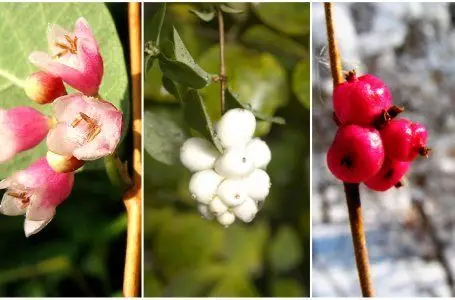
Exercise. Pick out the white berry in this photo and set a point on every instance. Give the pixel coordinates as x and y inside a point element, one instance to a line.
<point>258,184</point>
<point>236,127</point>
<point>246,211</point>
<point>205,212</point>
<point>232,191</point>
<point>259,152</point>
<point>217,206</point>
<point>198,154</point>
<point>226,219</point>
<point>234,163</point>
<point>204,184</point>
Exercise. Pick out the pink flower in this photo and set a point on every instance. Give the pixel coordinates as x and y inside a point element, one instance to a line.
<point>75,57</point>
<point>87,128</point>
<point>21,128</point>
<point>35,192</point>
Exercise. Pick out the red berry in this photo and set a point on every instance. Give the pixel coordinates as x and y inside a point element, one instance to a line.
<point>356,153</point>
<point>404,140</point>
<point>390,174</point>
<point>360,100</point>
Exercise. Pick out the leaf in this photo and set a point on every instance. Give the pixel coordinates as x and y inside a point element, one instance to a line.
<point>164,134</point>
<point>285,251</point>
<point>301,82</point>
<point>26,24</point>
<point>230,10</point>
<point>295,22</point>
<point>205,16</point>
<point>194,282</point>
<point>232,102</point>
<point>257,79</point>
<point>284,287</point>
<point>264,39</point>
<point>234,285</point>
<point>197,117</point>
<point>157,23</point>
<point>153,87</point>
<point>174,89</point>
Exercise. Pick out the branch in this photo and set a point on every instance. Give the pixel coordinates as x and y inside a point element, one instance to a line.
<point>351,189</point>
<point>133,198</point>
<point>222,63</point>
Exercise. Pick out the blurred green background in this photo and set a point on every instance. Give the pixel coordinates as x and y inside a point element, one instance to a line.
<point>267,61</point>
<point>81,252</point>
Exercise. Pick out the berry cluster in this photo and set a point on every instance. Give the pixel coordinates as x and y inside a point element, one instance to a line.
<point>233,183</point>
<point>371,146</point>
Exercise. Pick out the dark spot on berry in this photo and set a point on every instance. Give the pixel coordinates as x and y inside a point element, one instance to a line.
<point>388,174</point>
<point>399,184</point>
<point>347,161</point>
<point>243,159</point>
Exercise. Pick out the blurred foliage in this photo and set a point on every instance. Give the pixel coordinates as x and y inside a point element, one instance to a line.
<point>267,65</point>
<point>81,252</point>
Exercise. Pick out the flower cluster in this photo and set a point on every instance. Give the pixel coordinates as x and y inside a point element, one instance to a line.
<point>233,183</point>
<point>83,126</point>
<point>371,146</point>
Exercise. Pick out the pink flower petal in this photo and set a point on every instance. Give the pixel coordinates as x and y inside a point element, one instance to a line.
<point>10,206</point>
<point>64,139</point>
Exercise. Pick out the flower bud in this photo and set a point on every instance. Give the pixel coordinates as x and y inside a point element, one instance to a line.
<point>63,164</point>
<point>44,88</point>
<point>21,128</point>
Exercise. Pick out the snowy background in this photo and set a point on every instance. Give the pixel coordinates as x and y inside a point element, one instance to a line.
<point>410,231</point>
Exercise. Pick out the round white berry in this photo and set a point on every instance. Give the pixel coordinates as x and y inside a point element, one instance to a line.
<point>258,184</point>
<point>236,127</point>
<point>217,206</point>
<point>232,191</point>
<point>226,219</point>
<point>198,154</point>
<point>204,184</point>
<point>259,152</point>
<point>246,211</point>
<point>234,163</point>
<point>205,212</point>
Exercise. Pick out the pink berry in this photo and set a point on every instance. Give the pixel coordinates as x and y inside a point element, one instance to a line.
<point>356,153</point>
<point>360,100</point>
<point>390,174</point>
<point>404,140</point>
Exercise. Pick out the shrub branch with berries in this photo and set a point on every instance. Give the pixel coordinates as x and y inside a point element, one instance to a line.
<point>371,146</point>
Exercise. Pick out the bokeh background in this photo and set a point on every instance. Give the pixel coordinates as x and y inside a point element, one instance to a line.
<point>267,61</point>
<point>81,252</point>
<point>410,231</point>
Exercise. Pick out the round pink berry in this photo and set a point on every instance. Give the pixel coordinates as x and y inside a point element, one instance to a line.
<point>390,174</point>
<point>360,100</point>
<point>404,140</point>
<point>356,153</point>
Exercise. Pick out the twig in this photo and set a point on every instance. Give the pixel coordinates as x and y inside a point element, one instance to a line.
<point>222,63</point>
<point>133,198</point>
<point>351,190</point>
<point>438,244</point>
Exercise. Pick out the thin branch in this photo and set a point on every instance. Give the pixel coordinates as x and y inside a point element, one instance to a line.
<point>351,190</point>
<point>222,62</point>
<point>133,198</point>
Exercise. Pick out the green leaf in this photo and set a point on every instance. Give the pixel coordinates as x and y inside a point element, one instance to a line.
<point>234,285</point>
<point>264,39</point>
<point>174,89</point>
<point>182,73</point>
<point>197,117</point>
<point>230,10</point>
<point>205,16</point>
<point>157,23</point>
<point>232,102</point>
<point>26,24</point>
<point>257,79</point>
<point>301,82</point>
<point>164,134</point>
<point>285,250</point>
<point>194,282</point>
<point>295,22</point>
<point>153,87</point>
<point>284,287</point>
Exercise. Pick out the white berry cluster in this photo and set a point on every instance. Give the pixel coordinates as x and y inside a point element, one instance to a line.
<point>231,184</point>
